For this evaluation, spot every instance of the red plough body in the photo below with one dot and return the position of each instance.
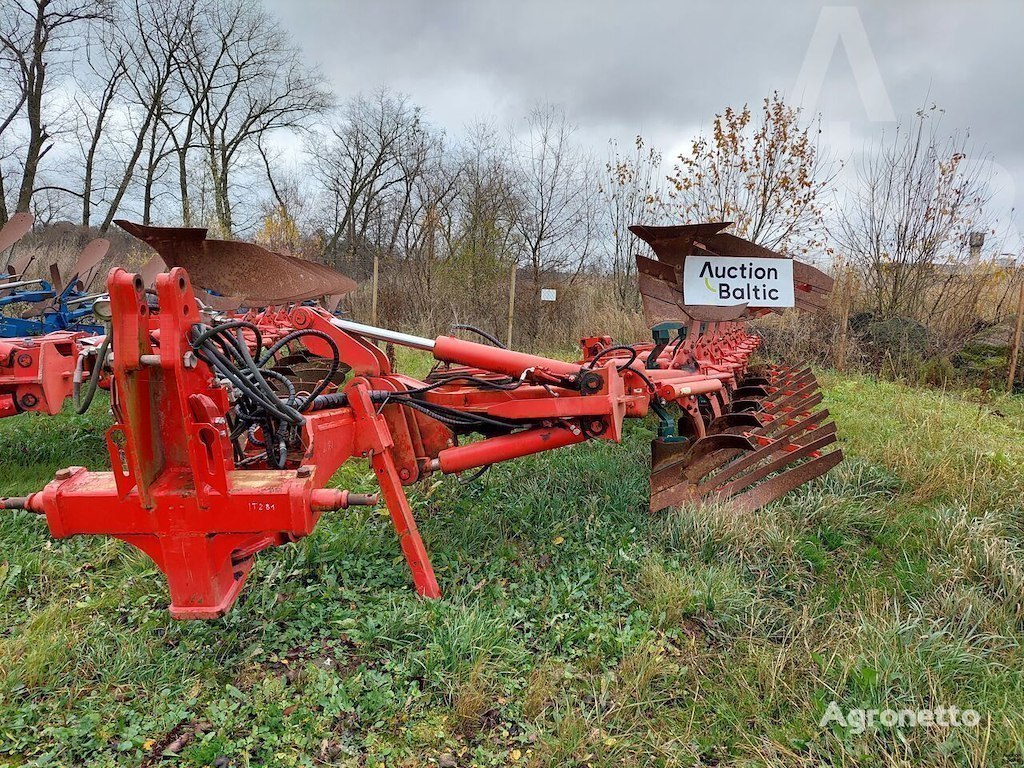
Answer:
(201, 497)
(229, 427)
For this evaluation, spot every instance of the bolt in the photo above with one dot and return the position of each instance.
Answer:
(63, 474)
(29, 401)
(304, 471)
(404, 473)
(190, 360)
(24, 360)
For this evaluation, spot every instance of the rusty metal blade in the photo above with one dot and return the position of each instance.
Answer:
(711, 314)
(673, 244)
(87, 279)
(15, 273)
(89, 258)
(231, 268)
(662, 296)
(784, 482)
(674, 456)
(55, 278)
(151, 269)
(741, 406)
(677, 468)
(750, 392)
(788, 411)
(731, 478)
(780, 464)
(726, 244)
(793, 399)
(219, 303)
(305, 372)
(746, 420)
(18, 266)
(657, 311)
(780, 429)
(19, 225)
(661, 272)
(791, 384)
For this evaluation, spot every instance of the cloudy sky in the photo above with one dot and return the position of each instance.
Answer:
(663, 68)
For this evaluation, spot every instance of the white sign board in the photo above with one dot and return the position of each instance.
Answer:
(548, 294)
(724, 281)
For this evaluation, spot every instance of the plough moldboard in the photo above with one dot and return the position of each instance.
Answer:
(229, 424)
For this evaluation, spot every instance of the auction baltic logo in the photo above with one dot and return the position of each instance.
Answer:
(727, 281)
(859, 720)
(749, 290)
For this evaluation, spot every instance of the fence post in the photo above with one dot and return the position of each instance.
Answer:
(846, 297)
(1015, 341)
(511, 304)
(373, 301)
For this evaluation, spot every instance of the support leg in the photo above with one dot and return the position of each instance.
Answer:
(379, 445)
(405, 525)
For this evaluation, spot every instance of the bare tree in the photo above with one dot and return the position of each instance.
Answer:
(558, 187)
(106, 62)
(244, 80)
(285, 208)
(633, 194)
(767, 177)
(36, 37)
(476, 231)
(915, 201)
(150, 36)
(365, 157)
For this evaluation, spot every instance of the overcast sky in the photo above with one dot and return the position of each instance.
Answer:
(663, 68)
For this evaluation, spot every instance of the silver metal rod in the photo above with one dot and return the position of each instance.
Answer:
(383, 334)
(83, 299)
(21, 283)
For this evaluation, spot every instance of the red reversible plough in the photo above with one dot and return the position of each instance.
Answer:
(230, 425)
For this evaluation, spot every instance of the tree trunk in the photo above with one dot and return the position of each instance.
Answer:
(4, 215)
(37, 137)
(186, 206)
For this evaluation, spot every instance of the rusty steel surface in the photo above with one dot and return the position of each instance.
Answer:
(19, 225)
(239, 270)
(88, 262)
(742, 462)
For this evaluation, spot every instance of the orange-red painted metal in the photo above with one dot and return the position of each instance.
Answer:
(37, 373)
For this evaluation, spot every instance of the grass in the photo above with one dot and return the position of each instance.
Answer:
(576, 628)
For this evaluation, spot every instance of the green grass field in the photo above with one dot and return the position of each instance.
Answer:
(576, 627)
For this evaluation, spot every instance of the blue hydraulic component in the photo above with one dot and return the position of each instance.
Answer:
(68, 310)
